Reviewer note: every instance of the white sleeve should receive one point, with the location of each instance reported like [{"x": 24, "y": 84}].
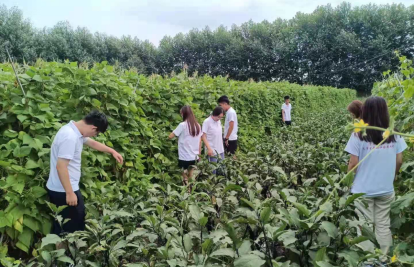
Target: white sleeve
[
  {"x": 401, "y": 144},
  {"x": 178, "y": 130},
  {"x": 352, "y": 147},
  {"x": 232, "y": 116},
  {"x": 205, "y": 127},
  {"x": 66, "y": 149}
]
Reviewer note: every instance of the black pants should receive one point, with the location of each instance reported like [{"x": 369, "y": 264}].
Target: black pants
[
  {"x": 231, "y": 148},
  {"x": 76, "y": 214},
  {"x": 288, "y": 123}
]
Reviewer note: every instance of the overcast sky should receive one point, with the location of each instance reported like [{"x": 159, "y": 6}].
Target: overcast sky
[{"x": 153, "y": 19}]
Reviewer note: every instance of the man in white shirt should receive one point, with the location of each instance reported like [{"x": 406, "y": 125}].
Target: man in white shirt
[
  {"x": 213, "y": 131},
  {"x": 286, "y": 109},
  {"x": 230, "y": 125},
  {"x": 65, "y": 168}
]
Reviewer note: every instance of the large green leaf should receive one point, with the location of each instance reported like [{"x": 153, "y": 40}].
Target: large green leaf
[
  {"x": 302, "y": 209},
  {"x": 288, "y": 238},
  {"x": 195, "y": 212},
  {"x": 249, "y": 260},
  {"x": 265, "y": 214},
  {"x": 23, "y": 151},
  {"x": 352, "y": 198},
  {"x": 188, "y": 243},
  {"x": 321, "y": 255},
  {"x": 4, "y": 220},
  {"x": 232, "y": 187},
  {"x": 223, "y": 252},
  {"x": 330, "y": 228},
  {"x": 26, "y": 237},
  {"x": 50, "y": 239},
  {"x": 351, "y": 257}
]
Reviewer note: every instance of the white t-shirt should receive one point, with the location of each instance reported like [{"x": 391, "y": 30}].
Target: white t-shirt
[
  {"x": 375, "y": 175},
  {"x": 287, "y": 109},
  {"x": 214, "y": 133},
  {"x": 68, "y": 144},
  {"x": 231, "y": 116},
  {"x": 188, "y": 146}
]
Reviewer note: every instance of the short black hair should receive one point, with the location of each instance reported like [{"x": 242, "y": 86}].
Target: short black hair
[
  {"x": 287, "y": 97},
  {"x": 217, "y": 111},
  {"x": 223, "y": 99},
  {"x": 97, "y": 119}
]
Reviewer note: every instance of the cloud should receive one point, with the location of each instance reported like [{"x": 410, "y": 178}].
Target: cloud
[
  {"x": 197, "y": 14},
  {"x": 153, "y": 19}
]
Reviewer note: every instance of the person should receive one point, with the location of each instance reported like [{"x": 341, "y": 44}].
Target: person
[
  {"x": 355, "y": 108},
  {"x": 230, "y": 126},
  {"x": 286, "y": 109},
  {"x": 189, "y": 142},
  {"x": 213, "y": 132},
  {"x": 375, "y": 175},
  {"x": 65, "y": 168}
]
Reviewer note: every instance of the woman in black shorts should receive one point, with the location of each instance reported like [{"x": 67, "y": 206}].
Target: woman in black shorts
[{"x": 189, "y": 142}]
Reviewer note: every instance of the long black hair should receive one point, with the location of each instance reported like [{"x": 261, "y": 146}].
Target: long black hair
[
  {"x": 192, "y": 123},
  {"x": 375, "y": 113}
]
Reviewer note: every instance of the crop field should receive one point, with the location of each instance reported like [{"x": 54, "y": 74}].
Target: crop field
[{"x": 283, "y": 201}]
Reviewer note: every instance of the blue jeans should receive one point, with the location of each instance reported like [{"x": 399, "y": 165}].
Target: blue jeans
[{"x": 216, "y": 159}]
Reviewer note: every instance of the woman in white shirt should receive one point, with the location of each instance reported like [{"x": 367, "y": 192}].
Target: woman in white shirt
[
  {"x": 189, "y": 135},
  {"x": 375, "y": 175}
]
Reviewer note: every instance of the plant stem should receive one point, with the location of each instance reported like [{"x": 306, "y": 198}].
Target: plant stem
[
  {"x": 383, "y": 130},
  {"x": 267, "y": 245}
]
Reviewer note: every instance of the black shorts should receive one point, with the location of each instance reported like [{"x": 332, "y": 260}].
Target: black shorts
[
  {"x": 231, "y": 148},
  {"x": 183, "y": 164},
  {"x": 288, "y": 122},
  {"x": 76, "y": 214}
]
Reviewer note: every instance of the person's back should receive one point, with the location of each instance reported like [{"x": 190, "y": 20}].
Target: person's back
[
  {"x": 189, "y": 135},
  {"x": 71, "y": 150},
  {"x": 188, "y": 145},
  {"x": 375, "y": 175}
]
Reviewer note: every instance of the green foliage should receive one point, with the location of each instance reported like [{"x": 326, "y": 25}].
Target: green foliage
[
  {"x": 262, "y": 222},
  {"x": 137, "y": 209}
]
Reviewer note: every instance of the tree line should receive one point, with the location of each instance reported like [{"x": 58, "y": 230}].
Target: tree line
[{"x": 342, "y": 47}]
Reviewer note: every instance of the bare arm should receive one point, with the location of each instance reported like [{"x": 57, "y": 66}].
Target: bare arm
[
  {"x": 353, "y": 161},
  {"x": 399, "y": 164},
  {"x": 283, "y": 115},
  {"x": 103, "y": 148},
  {"x": 63, "y": 173},
  {"x": 231, "y": 127},
  {"x": 199, "y": 150},
  {"x": 210, "y": 151},
  {"x": 171, "y": 136}
]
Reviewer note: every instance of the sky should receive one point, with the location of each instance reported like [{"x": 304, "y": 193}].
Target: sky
[{"x": 153, "y": 19}]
